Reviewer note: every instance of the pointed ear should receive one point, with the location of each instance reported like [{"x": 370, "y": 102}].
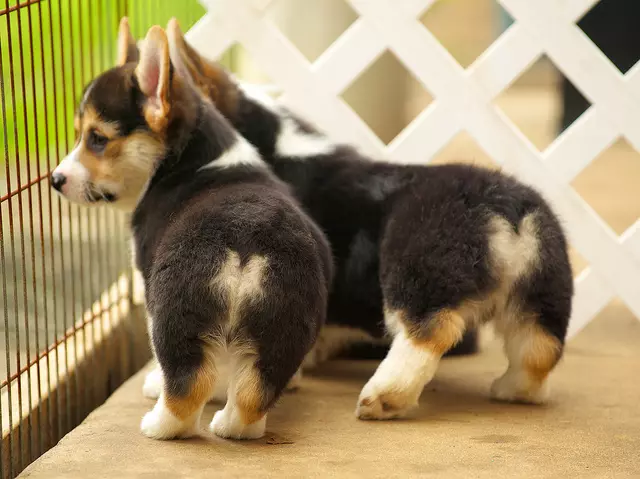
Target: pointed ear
[
  {"x": 185, "y": 59},
  {"x": 127, "y": 49},
  {"x": 152, "y": 73}
]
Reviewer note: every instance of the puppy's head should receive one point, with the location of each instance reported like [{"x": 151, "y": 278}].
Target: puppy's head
[
  {"x": 125, "y": 123},
  {"x": 211, "y": 79}
]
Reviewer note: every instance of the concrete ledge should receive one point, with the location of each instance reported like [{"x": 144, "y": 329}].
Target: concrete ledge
[{"x": 591, "y": 429}]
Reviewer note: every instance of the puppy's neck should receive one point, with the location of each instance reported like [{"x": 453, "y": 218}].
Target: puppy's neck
[{"x": 207, "y": 140}]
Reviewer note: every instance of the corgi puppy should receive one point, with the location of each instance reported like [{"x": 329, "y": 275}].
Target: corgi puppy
[
  {"x": 231, "y": 265},
  {"x": 422, "y": 253}
]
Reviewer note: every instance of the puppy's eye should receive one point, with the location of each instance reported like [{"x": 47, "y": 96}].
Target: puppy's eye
[{"x": 96, "y": 142}]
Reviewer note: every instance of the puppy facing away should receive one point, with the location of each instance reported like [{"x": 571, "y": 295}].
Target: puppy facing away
[
  {"x": 231, "y": 264},
  {"x": 422, "y": 253}
]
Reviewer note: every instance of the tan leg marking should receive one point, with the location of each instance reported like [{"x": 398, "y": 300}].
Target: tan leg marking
[
  {"x": 250, "y": 396},
  {"x": 543, "y": 355},
  {"x": 244, "y": 415},
  {"x": 532, "y": 354},
  {"x": 201, "y": 388},
  {"x": 411, "y": 363},
  {"x": 173, "y": 416},
  {"x": 445, "y": 330}
]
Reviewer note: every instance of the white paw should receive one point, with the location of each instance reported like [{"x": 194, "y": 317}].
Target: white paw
[
  {"x": 385, "y": 403},
  {"x": 228, "y": 425},
  {"x": 160, "y": 423},
  {"x": 395, "y": 387},
  {"x": 153, "y": 384},
  {"x": 516, "y": 387}
]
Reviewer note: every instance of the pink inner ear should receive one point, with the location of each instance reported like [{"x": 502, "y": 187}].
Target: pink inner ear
[
  {"x": 149, "y": 73},
  {"x": 153, "y": 77}
]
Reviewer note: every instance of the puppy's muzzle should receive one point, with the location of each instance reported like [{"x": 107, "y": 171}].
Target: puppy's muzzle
[{"x": 58, "y": 180}]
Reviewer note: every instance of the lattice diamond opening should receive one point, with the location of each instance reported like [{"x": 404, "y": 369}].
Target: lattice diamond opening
[
  {"x": 613, "y": 26},
  {"x": 466, "y": 29},
  {"x": 464, "y": 149},
  {"x": 387, "y": 86},
  {"x": 616, "y": 198},
  {"x": 578, "y": 263},
  {"x": 534, "y": 103},
  {"x": 330, "y": 19}
]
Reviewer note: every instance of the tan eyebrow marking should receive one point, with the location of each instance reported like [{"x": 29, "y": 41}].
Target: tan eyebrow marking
[{"x": 91, "y": 120}]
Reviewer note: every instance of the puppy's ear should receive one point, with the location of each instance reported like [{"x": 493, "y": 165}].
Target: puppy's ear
[
  {"x": 186, "y": 60},
  {"x": 127, "y": 48},
  {"x": 153, "y": 75}
]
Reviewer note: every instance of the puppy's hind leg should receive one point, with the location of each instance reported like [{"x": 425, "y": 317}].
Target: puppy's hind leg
[
  {"x": 244, "y": 415},
  {"x": 532, "y": 354},
  {"x": 258, "y": 375},
  {"x": 412, "y": 361},
  {"x": 535, "y": 322},
  {"x": 187, "y": 374},
  {"x": 153, "y": 383},
  {"x": 177, "y": 412}
]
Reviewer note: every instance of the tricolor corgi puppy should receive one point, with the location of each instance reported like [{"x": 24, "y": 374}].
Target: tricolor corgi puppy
[
  {"x": 231, "y": 264},
  {"x": 422, "y": 253}
]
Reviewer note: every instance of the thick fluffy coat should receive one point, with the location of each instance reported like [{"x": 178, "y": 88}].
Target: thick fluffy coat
[
  {"x": 422, "y": 253},
  {"x": 232, "y": 267}
]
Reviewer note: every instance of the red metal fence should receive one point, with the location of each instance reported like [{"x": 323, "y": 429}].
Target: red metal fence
[{"x": 64, "y": 271}]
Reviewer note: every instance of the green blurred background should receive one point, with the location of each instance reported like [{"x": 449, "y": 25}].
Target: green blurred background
[{"x": 63, "y": 44}]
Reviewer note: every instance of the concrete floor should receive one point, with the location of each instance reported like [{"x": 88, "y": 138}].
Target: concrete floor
[{"x": 591, "y": 428}]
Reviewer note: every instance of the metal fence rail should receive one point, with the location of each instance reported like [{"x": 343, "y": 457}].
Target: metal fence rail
[{"x": 64, "y": 271}]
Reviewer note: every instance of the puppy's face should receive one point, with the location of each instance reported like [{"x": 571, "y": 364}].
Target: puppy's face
[
  {"x": 120, "y": 126},
  {"x": 115, "y": 150}
]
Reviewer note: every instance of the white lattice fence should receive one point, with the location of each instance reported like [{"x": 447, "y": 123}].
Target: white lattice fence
[{"x": 463, "y": 101}]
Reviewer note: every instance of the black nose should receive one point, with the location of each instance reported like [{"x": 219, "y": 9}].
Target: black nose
[{"x": 57, "y": 180}]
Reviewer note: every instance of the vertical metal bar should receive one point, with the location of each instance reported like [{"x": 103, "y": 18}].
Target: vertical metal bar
[
  {"x": 72, "y": 234},
  {"x": 142, "y": 20},
  {"x": 39, "y": 427},
  {"x": 125, "y": 339},
  {"x": 61, "y": 401},
  {"x": 23, "y": 232},
  {"x": 5, "y": 307},
  {"x": 102, "y": 238},
  {"x": 50, "y": 425},
  {"x": 7, "y": 342},
  {"x": 65, "y": 130},
  {"x": 110, "y": 216},
  {"x": 93, "y": 244},
  {"x": 12, "y": 237},
  {"x": 81, "y": 214},
  {"x": 106, "y": 41},
  {"x": 113, "y": 217}
]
